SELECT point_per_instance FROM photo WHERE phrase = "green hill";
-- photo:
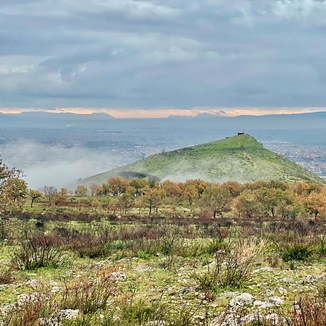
(240, 158)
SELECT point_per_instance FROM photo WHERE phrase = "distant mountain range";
(271, 122)
(240, 158)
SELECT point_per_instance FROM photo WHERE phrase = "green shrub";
(208, 280)
(143, 254)
(118, 244)
(141, 311)
(215, 245)
(297, 251)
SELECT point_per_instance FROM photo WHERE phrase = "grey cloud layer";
(182, 53)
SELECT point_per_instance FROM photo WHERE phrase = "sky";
(146, 56)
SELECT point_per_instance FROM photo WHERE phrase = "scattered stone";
(100, 264)
(143, 268)
(118, 276)
(7, 309)
(48, 322)
(156, 323)
(199, 318)
(233, 319)
(4, 286)
(55, 289)
(287, 280)
(264, 269)
(186, 290)
(68, 313)
(267, 292)
(259, 303)
(231, 294)
(202, 296)
(281, 290)
(226, 320)
(314, 279)
(243, 299)
(275, 319)
(23, 298)
(275, 301)
(270, 302)
(116, 318)
(33, 283)
(250, 318)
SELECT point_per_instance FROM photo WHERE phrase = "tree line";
(258, 199)
(274, 199)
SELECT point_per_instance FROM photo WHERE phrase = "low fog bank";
(57, 165)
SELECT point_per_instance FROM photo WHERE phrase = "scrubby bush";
(309, 312)
(240, 262)
(142, 312)
(89, 245)
(231, 268)
(28, 312)
(6, 276)
(88, 296)
(40, 250)
(296, 251)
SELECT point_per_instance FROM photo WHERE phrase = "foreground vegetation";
(162, 271)
(142, 252)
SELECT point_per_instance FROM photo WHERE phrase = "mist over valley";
(58, 152)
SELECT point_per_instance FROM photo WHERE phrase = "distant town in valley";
(312, 158)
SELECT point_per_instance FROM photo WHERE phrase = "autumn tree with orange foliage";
(216, 199)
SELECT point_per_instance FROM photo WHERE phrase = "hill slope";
(240, 158)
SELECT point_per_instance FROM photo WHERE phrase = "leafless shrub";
(240, 262)
(232, 267)
(90, 245)
(309, 312)
(40, 250)
(88, 295)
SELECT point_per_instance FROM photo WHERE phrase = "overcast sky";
(162, 53)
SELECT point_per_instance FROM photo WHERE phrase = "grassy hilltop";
(240, 158)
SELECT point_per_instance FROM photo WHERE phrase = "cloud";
(300, 10)
(56, 165)
(153, 54)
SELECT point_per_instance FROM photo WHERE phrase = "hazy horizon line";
(139, 113)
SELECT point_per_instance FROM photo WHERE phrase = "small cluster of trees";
(260, 198)
(13, 189)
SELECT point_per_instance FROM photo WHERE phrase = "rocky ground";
(269, 296)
